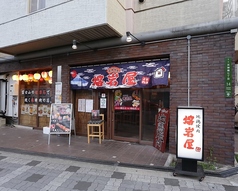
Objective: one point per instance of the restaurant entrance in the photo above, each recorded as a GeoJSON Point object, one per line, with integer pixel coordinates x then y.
{"type": "Point", "coordinates": [128, 94]}
{"type": "Point", "coordinates": [129, 114]}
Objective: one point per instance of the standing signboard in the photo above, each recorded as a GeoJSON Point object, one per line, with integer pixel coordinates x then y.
{"type": "Point", "coordinates": [60, 119]}
{"type": "Point", "coordinates": [190, 133]}
{"type": "Point", "coordinates": [161, 129]}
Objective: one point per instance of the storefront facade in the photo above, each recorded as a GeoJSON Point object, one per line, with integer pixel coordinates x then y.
{"type": "Point", "coordinates": [205, 61]}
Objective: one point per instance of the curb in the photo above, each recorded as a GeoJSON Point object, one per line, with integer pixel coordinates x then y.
{"type": "Point", "coordinates": [222, 174]}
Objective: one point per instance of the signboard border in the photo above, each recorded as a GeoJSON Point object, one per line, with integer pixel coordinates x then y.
{"type": "Point", "coordinates": [190, 108]}
{"type": "Point", "coordinates": [70, 126]}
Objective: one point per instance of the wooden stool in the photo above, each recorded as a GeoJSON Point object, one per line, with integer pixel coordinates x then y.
{"type": "Point", "coordinates": [93, 131]}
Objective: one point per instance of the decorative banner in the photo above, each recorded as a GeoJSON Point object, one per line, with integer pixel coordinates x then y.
{"type": "Point", "coordinates": [190, 125]}
{"type": "Point", "coordinates": [130, 75]}
{"type": "Point", "coordinates": [228, 78]}
{"type": "Point", "coordinates": [161, 131]}
{"type": "Point", "coordinates": [127, 99]}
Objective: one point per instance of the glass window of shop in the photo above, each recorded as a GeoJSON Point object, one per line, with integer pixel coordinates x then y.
{"type": "Point", "coordinates": [154, 99]}
{"type": "Point", "coordinates": [35, 99]}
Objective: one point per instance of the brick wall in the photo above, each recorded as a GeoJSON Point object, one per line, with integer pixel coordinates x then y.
{"type": "Point", "coordinates": [207, 82]}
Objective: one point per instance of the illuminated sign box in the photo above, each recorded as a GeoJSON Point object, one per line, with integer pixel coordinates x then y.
{"type": "Point", "coordinates": [190, 132]}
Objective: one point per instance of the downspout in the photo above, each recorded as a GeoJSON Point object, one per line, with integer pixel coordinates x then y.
{"type": "Point", "coordinates": [188, 38]}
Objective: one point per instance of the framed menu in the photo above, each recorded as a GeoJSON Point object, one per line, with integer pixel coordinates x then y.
{"type": "Point", "coordinates": [60, 119]}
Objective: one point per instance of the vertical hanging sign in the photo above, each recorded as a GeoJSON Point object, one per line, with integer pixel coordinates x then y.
{"type": "Point", "coordinates": [228, 78]}
{"type": "Point", "coordinates": [190, 124]}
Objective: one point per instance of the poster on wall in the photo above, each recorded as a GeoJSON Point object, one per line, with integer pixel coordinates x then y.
{"type": "Point", "coordinates": [161, 129]}
{"type": "Point", "coordinates": [81, 105]}
{"type": "Point", "coordinates": [127, 99]}
{"type": "Point", "coordinates": [103, 103]}
{"type": "Point", "coordinates": [126, 75]}
{"type": "Point", "coordinates": [89, 105]}
{"type": "Point", "coordinates": [190, 125]}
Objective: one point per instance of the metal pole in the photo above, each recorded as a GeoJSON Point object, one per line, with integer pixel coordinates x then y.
{"type": "Point", "coordinates": [188, 37]}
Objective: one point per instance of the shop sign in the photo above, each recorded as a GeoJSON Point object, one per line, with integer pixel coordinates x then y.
{"type": "Point", "coordinates": [32, 96]}
{"type": "Point", "coordinates": [228, 78]}
{"type": "Point", "coordinates": [190, 125]}
{"type": "Point", "coordinates": [127, 99]}
{"type": "Point", "coordinates": [130, 75]}
{"type": "Point", "coordinates": [60, 118]}
{"type": "Point", "coordinates": [161, 130]}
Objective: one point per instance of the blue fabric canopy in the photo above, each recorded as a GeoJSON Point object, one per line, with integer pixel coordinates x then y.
{"type": "Point", "coordinates": [129, 75]}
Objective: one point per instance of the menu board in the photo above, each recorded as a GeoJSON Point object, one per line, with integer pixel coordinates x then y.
{"type": "Point", "coordinates": [60, 118]}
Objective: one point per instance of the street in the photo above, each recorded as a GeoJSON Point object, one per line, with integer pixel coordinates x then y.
{"type": "Point", "coordinates": [41, 173]}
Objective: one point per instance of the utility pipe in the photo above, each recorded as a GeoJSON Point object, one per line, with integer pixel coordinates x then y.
{"type": "Point", "coordinates": [188, 38]}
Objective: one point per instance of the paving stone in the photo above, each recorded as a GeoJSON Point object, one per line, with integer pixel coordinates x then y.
{"type": "Point", "coordinates": [34, 177]}
{"type": "Point", "coordinates": [2, 157]}
{"type": "Point", "coordinates": [72, 168]}
{"type": "Point", "coordinates": [81, 185]}
{"type": "Point", "coordinates": [33, 163]}
{"type": "Point", "coordinates": [118, 175]}
{"type": "Point", "coordinates": [171, 182]}
{"type": "Point", "coordinates": [230, 188]}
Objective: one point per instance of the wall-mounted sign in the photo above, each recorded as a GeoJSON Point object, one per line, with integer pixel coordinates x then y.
{"type": "Point", "coordinates": [129, 75]}
{"type": "Point", "coordinates": [228, 78]}
{"type": "Point", "coordinates": [190, 125]}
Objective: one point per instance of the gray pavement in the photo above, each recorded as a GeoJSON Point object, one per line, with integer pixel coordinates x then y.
{"type": "Point", "coordinates": [42, 173]}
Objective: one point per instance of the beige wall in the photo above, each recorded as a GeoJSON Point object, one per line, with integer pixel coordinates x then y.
{"type": "Point", "coordinates": [164, 14]}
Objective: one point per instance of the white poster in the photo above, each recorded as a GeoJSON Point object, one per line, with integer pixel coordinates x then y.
{"type": "Point", "coordinates": [190, 133]}
{"type": "Point", "coordinates": [58, 88]}
{"type": "Point", "coordinates": [89, 105]}
{"type": "Point", "coordinates": [103, 102]}
{"type": "Point", "coordinates": [81, 105]}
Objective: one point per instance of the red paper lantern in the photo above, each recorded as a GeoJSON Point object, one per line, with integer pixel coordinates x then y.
{"type": "Point", "coordinates": [44, 74]}
{"type": "Point", "coordinates": [30, 77]}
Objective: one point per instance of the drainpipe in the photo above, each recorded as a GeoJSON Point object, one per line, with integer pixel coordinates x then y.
{"type": "Point", "coordinates": [188, 38]}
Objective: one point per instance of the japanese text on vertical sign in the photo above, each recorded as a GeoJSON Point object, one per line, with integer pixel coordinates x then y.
{"type": "Point", "coordinates": [190, 133]}
{"type": "Point", "coordinates": [228, 78]}
{"type": "Point", "coordinates": [192, 130]}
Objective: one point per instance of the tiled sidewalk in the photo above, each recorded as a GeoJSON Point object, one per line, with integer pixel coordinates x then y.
{"type": "Point", "coordinates": [36, 173]}
{"type": "Point", "coordinates": [34, 141]}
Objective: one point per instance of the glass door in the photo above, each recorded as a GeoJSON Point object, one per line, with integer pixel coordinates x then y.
{"type": "Point", "coordinates": [126, 114]}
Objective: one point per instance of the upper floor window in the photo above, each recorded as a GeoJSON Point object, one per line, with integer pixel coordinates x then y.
{"type": "Point", "coordinates": [36, 5]}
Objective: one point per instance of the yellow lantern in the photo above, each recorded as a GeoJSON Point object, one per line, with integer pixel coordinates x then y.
{"type": "Point", "coordinates": [37, 76]}
{"type": "Point", "coordinates": [15, 77]}
{"type": "Point", "coordinates": [44, 74]}
{"type": "Point", "coordinates": [25, 77]}
{"type": "Point", "coordinates": [20, 77]}
{"type": "Point", "coordinates": [50, 80]}
{"type": "Point", "coordinates": [50, 73]}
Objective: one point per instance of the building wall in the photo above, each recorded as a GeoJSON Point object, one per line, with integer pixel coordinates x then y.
{"type": "Point", "coordinates": [60, 17]}
{"type": "Point", "coordinates": [207, 82]}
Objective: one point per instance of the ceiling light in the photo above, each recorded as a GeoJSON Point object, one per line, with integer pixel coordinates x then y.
{"type": "Point", "coordinates": [74, 46]}
{"type": "Point", "coordinates": [129, 38]}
